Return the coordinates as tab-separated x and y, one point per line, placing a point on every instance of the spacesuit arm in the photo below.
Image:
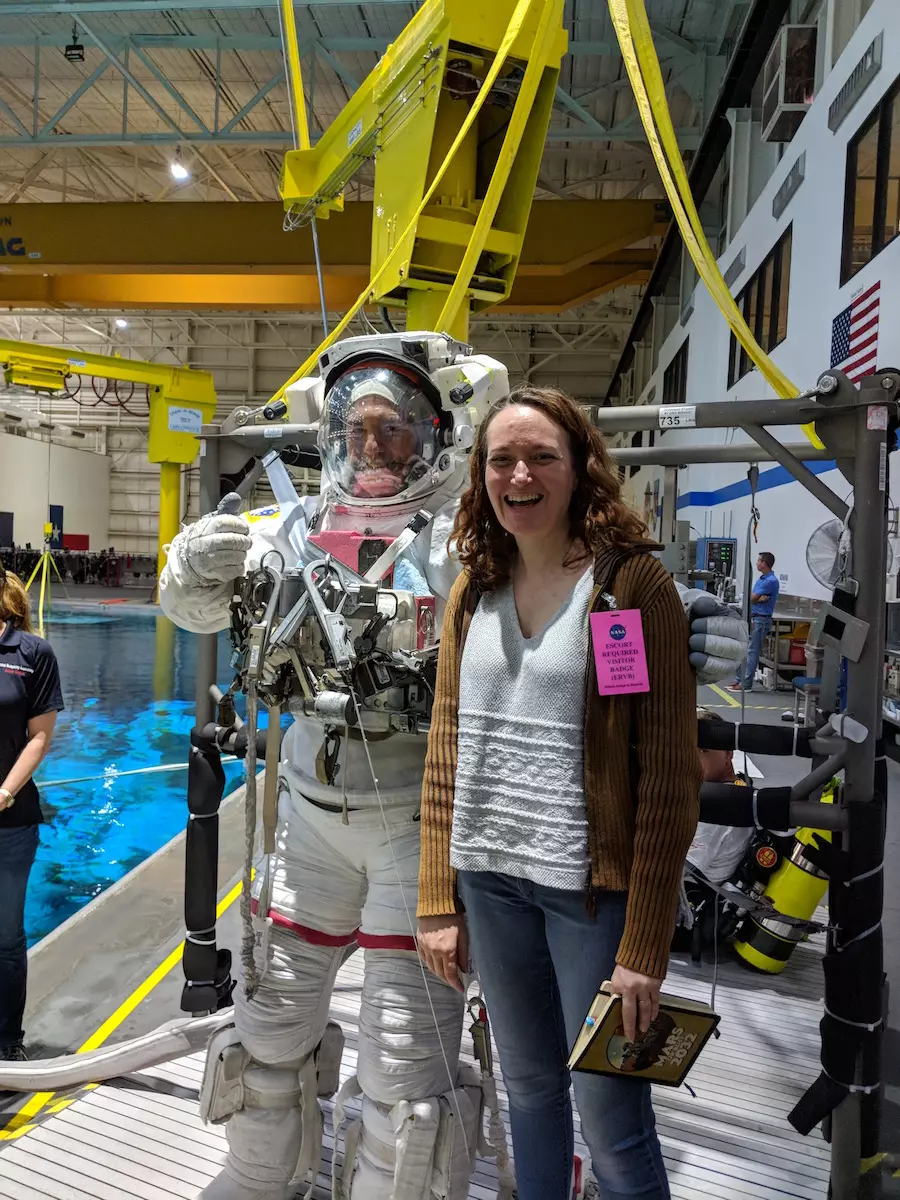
204	559
718	635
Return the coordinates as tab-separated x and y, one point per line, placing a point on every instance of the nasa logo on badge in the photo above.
617	632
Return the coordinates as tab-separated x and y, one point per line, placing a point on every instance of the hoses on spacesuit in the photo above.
248	933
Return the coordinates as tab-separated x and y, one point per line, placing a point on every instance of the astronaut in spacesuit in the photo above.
396	420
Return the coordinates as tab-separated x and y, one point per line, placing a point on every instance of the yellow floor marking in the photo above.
21	1122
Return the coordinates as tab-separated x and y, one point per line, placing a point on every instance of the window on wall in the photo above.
872	194
764	304
675	377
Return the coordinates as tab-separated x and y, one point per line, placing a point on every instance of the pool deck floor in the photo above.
142	1137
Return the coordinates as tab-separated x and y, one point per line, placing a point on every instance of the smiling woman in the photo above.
555	816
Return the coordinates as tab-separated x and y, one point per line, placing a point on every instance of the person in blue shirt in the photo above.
762	606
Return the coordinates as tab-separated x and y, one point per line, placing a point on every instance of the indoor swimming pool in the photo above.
128	687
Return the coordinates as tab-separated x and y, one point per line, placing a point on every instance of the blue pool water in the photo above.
128	686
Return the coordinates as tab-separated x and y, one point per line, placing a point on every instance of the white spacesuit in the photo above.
396	420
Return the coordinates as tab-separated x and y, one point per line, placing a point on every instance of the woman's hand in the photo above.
640	999
444	947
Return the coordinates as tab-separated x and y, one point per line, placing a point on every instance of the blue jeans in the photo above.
541	959
18	846
759	627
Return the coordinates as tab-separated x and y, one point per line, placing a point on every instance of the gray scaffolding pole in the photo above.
682	456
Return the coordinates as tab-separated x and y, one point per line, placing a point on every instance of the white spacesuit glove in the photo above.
214	549
718	638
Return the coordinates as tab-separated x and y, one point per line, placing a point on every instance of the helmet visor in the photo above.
380	434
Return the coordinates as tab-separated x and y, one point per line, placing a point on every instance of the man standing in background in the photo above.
762	606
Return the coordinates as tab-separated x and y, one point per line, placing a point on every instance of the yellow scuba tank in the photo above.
796	889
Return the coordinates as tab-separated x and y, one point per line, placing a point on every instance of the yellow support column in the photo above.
164	660
169	505
424	308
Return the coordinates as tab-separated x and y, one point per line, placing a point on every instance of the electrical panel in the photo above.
717	555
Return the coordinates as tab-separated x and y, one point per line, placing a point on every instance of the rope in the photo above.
248	940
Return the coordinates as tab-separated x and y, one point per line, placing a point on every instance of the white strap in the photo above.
354	1130
385	561
349	1091
270	787
311	1123
496	1139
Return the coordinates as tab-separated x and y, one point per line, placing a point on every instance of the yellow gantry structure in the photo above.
455	115
181	399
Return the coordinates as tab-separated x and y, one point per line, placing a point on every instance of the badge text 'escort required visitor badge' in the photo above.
619	652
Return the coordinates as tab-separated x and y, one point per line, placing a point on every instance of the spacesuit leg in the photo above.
316	904
409	1143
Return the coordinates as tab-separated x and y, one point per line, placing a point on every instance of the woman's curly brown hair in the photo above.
598	516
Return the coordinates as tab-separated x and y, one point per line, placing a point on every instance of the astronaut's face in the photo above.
380	434
380	447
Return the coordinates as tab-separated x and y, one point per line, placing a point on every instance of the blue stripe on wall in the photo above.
775	477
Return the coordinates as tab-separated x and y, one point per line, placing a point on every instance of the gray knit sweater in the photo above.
518	806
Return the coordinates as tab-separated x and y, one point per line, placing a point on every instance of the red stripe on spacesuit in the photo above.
385	941
314	936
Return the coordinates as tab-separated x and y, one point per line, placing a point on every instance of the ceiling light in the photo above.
74	52
121	323
177	167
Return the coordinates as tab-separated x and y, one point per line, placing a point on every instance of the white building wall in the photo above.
789	514
35	475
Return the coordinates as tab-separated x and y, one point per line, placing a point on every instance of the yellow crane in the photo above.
455	116
181	399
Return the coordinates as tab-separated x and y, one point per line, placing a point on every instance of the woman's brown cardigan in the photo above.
641	766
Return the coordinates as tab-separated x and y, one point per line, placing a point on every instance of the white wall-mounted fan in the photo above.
823	554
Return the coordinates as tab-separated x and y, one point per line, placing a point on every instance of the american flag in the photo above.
854	335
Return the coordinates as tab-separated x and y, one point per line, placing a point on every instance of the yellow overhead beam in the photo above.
549	294
190	256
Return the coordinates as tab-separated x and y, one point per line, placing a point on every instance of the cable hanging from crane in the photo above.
632	28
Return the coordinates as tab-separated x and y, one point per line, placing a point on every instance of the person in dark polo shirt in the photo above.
30	698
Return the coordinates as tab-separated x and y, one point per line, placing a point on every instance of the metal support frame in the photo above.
854	426
799	470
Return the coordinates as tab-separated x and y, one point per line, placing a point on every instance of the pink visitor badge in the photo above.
619	652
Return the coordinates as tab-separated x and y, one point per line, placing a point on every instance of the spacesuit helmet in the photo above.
380	434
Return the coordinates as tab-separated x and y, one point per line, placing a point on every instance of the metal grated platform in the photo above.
141	1139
